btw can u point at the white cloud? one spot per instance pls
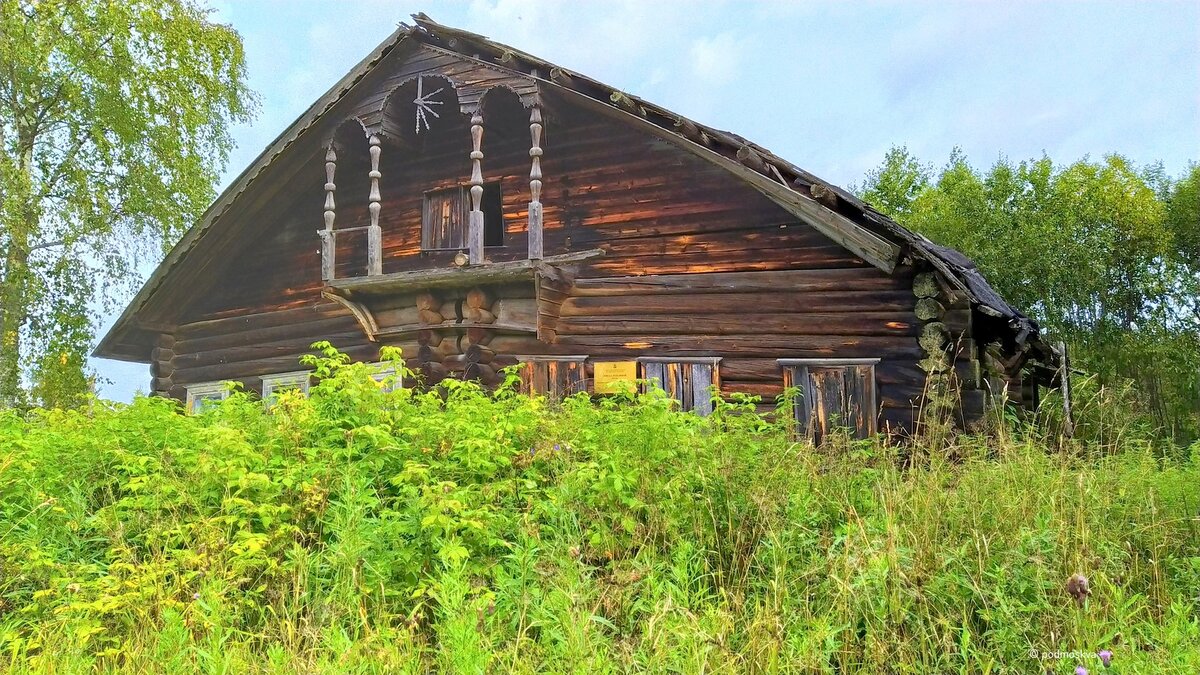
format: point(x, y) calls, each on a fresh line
point(715, 60)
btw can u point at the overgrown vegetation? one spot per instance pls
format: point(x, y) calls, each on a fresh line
point(1106, 255)
point(362, 530)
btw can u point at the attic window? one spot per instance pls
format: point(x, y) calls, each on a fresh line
point(444, 220)
point(832, 393)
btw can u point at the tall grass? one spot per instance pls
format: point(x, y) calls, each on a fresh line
point(361, 530)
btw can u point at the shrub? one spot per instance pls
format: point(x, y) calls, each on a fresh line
point(366, 530)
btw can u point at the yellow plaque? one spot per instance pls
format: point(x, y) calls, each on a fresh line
point(607, 374)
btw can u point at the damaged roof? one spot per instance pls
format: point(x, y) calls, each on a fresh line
point(833, 210)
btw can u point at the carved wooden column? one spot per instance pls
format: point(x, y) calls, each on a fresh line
point(328, 245)
point(535, 184)
point(475, 228)
point(374, 235)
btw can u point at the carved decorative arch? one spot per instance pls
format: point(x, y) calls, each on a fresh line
point(394, 119)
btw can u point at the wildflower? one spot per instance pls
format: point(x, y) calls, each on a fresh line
point(1080, 670)
point(1078, 588)
point(556, 447)
point(1105, 657)
point(195, 596)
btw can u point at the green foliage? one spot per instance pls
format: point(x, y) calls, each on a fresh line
point(1102, 255)
point(114, 122)
point(366, 530)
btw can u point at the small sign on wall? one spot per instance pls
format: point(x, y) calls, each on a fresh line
point(606, 376)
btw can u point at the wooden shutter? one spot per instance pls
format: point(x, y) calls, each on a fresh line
point(554, 377)
point(832, 394)
point(688, 381)
point(444, 219)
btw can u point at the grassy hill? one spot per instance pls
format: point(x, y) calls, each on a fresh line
point(365, 531)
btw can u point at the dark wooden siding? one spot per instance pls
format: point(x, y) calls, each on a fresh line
point(696, 262)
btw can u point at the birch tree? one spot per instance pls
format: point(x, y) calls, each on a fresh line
point(114, 124)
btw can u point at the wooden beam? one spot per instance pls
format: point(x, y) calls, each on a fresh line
point(455, 277)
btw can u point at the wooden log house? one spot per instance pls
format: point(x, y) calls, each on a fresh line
point(480, 207)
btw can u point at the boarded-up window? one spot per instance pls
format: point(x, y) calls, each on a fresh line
point(687, 380)
point(832, 393)
point(444, 221)
point(553, 376)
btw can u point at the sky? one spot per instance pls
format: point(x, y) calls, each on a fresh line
point(829, 85)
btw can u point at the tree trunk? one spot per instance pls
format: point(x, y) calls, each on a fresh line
point(13, 316)
point(15, 284)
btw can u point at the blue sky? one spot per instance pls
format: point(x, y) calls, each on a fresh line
point(828, 85)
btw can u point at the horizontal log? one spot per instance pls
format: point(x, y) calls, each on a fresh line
point(814, 280)
point(250, 352)
point(242, 322)
point(318, 329)
point(929, 309)
point(616, 262)
point(266, 366)
point(479, 354)
point(430, 354)
point(841, 324)
point(958, 322)
point(479, 298)
point(161, 368)
point(479, 315)
point(925, 285)
point(400, 316)
point(516, 311)
point(783, 300)
point(746, 345)
point(480, 371)
point(428, 316)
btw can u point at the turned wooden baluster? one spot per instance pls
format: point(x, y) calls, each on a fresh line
point(374, 235)
point(535, 184)
point(475, 227)
point(328, 244)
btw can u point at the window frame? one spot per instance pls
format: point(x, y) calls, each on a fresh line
point(705, 407)
point(529, 362)
point(802, 410)
point(204, 391)
point(274, 382)
point(386, 369)
point(461, 194)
